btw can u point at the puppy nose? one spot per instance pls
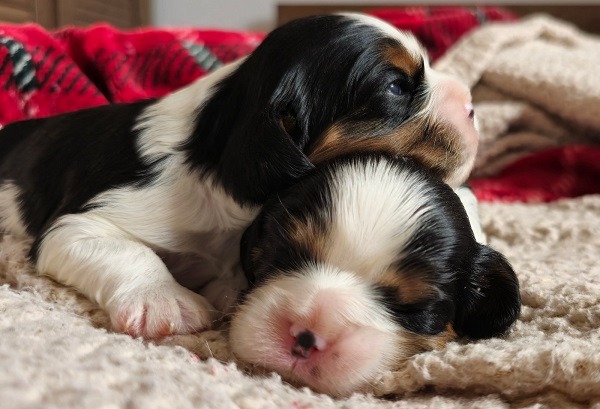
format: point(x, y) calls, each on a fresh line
point(306, 341)
point(470, 110)
point(305, 344)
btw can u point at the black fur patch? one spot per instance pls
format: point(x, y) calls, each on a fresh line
point(60, 163)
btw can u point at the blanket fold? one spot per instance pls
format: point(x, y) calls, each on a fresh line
point(535, 87)
point(47, 73)
point(56, 351)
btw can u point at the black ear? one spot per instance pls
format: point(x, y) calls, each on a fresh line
point(261, 158)
point(488, 300)
point(248, 140)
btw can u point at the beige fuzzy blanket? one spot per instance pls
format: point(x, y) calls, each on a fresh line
point(56, 351)
point(535, 83)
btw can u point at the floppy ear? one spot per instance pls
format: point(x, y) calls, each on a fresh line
point(261, 158)
point(247, 141)
point(488, 300)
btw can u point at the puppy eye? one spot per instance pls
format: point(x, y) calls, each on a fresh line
point(395, 88)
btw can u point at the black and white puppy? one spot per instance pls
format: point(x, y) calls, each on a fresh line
point(117, 196)
point(363, 263)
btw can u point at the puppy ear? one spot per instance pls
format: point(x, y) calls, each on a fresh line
point(248, 136)
point(488, 300)
point(262, 158)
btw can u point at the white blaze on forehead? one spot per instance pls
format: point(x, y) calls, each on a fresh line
point(376, 211)
point(408, 41)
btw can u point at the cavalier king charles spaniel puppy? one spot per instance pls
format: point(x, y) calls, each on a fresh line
point(141, 206)
point(364, 262)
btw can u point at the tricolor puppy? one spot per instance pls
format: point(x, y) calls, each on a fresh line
point(363, 263)
point(126, 202)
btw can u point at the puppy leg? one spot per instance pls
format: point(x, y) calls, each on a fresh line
point(122, 275)
point(470, 203)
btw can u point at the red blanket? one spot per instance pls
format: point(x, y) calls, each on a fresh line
point(545, 176)
point(438, 28)
point(45, 73)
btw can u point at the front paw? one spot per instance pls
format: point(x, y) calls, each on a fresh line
point(159, 311)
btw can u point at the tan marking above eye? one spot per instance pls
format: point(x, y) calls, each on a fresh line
point(412, 287)
point(308, 234)
point(399, 57)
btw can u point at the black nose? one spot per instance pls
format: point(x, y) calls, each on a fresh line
point(305, 343)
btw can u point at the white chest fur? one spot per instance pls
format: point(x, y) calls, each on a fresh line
point(180, 213)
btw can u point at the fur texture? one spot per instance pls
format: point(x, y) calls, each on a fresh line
point(116, 197)
point(61, 353)
point(360, 265)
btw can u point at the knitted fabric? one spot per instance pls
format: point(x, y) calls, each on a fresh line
point(56, 351)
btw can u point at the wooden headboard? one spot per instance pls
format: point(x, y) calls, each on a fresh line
point(57, 13)
point(586, 17)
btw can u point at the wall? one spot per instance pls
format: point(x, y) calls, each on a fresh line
point(262, 14)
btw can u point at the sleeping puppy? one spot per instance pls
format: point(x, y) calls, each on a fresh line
point(361, 264)
point(126, 202)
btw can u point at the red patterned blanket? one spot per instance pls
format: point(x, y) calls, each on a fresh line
point(46, 73)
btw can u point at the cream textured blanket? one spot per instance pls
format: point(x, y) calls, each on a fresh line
point(536, 85)
point(55, 350)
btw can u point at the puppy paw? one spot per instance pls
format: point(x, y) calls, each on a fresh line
point(160, 311)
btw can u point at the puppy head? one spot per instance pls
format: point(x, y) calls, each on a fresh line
point(325, 86)
point(362, 264)
point(398, 104)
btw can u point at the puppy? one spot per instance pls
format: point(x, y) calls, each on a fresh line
point(126, 202)
point(361, 264)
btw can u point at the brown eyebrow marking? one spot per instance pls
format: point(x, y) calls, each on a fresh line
point(399, 57)
point(310, 235)
point(410, 288)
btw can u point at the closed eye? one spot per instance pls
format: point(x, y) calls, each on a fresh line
point(428, 316)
